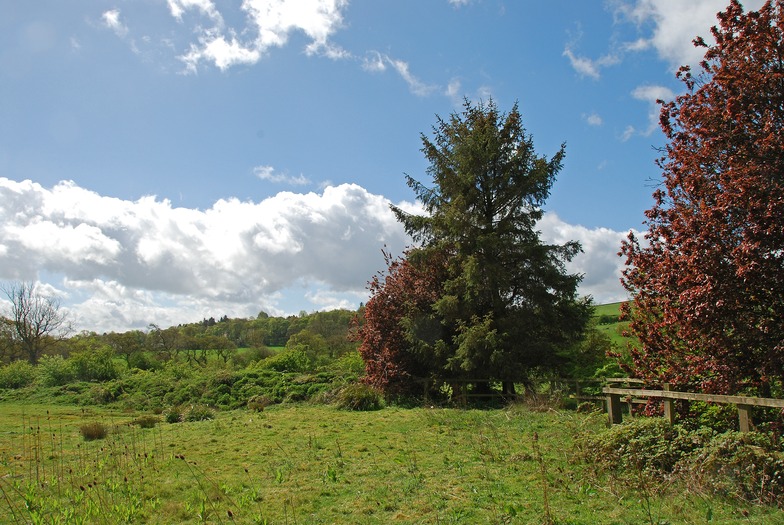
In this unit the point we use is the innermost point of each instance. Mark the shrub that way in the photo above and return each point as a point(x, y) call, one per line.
point(744, 466)
point(146, 421)
point(259, 403)
point(18, 374)
point(287, 361)
point(349, 366)
point(359, 396)
point(93, 431)
point(94, 364)
point(198, 413)
point(173, 415)
point(55, 371)
point(643, 444)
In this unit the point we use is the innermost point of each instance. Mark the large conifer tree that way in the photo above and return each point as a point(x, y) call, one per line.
point(506, 303)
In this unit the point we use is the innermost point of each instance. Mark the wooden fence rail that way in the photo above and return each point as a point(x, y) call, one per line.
point(744, 403)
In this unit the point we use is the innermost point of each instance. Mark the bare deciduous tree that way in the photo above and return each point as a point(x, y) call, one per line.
point(36, 319)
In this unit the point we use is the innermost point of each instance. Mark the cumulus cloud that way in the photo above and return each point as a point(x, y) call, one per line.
point(131, 258)
point(268, 24)
point(599, 263)
point(124, 264)
point(673, 26)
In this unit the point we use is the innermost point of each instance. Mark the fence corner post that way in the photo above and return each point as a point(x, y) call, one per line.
point(669, 405)
point(614, 409)
point(744, 418)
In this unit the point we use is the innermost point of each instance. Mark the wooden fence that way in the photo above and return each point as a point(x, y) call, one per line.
point(616, 396)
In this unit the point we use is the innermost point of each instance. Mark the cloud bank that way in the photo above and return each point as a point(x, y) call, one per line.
point(122, 264)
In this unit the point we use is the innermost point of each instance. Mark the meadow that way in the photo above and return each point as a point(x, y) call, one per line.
point(314, 464)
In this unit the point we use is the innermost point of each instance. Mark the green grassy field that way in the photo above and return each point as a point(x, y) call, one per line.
point(307, 464)
point(614, 330)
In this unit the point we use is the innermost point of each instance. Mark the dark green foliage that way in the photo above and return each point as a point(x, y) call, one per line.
point(504, 305)
point(173, 415)
point(359, 396)
point(93, 431)
point(318, 359)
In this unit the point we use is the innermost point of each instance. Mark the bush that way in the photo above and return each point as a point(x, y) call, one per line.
point(55, 371)
point(359, 396)
point(287, 361)
point(94, 364)
point(93, 431)
point(198, 413)
point(173, 415)
point(744, 466)
point(259, 403)
point(18, 374)
point(643, 444)
point(146, 421)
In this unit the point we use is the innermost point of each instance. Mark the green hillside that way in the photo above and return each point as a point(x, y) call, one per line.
point(606, 317)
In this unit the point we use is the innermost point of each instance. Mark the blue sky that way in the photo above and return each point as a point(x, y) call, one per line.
point(168, 160)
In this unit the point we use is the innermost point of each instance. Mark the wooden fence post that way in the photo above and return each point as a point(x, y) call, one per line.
point(614, 409)
point(744, 418)
point(669, 405)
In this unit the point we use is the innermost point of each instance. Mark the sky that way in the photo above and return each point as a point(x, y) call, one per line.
point(165, 161)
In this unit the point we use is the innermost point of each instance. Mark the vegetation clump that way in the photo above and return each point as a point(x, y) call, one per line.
point(93, 431)
point(146, 421)
point(651, 454)
point(359, 396)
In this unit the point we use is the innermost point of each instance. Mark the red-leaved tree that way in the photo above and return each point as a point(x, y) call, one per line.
point(708, 280)
point(400, 300)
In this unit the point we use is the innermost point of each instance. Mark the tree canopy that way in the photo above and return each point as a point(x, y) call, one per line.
point(480, 296)
point(707, 281)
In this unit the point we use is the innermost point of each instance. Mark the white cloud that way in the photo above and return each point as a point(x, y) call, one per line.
point(111, 19)
point(268, 173)
point(268, 24)
point(593, 119)
point(628, 133)
point(599, 263)
point(587, 67)
point(133, 260)
point(178, 7)
point(376, 62)
point(675, 24)
point(125, 264)
point(652, 94)
point(459, 3)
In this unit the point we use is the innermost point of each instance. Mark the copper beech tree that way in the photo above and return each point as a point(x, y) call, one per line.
point(707, 281)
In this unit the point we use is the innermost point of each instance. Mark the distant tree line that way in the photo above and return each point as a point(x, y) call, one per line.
point(36, 327)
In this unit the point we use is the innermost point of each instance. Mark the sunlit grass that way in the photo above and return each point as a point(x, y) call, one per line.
point(316, 464)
